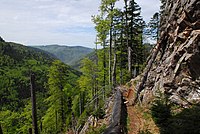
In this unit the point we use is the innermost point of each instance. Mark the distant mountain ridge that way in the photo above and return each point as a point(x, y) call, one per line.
point(67, 54)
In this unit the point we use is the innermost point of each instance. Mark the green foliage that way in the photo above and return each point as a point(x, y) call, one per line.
point(99, 113)
point(59, 100)
point(82, 118)
point(161, 113)
point(170, 122)
point(16, 62)
point(145, 132)
point(98, 130)
point(187, 121)
point(9, 121)
point(152, 29)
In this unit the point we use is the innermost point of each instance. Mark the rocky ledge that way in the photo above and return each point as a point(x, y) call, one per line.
point(176, 67)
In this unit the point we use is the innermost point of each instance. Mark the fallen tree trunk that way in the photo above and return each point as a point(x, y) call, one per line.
point(144, 78)
point(119, 115)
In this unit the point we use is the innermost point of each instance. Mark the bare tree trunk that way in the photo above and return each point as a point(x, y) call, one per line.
point(1, 131)
point(56, 113)
point(62, 114)
point(41, 127)
point(104, 69)
point(33, 99)
point(129, 61)
point(121, 73)
point(114, 71)
point(110, 48)
point(129, 56)
point(114, 63)
point(96, 98)
point(110, 67)
point(130, 44)
point(122, 44)
point(149, 65)
point(96, 78)
point(30, 130)
point(80, 104)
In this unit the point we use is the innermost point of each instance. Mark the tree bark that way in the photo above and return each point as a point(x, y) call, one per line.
point(114, 71)
point(80, 104)
point(34, 109)
point(56, 113)
point(129, 61)
point(110, 47)
point(30, 130)
point(96, 80)
point(129, 56)
point(144, 78)
point(104, 68)
point(1, 131)
point(62, 108)
point(114, 63)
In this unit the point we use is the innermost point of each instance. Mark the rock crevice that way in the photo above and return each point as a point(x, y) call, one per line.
point(176, 68)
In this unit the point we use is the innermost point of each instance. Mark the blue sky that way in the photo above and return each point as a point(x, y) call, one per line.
point(64, 22)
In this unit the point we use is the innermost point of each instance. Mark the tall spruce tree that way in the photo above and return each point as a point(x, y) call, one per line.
point(133, 31)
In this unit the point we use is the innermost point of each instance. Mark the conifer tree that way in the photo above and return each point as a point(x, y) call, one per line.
point(133, 31)
point(153, 27)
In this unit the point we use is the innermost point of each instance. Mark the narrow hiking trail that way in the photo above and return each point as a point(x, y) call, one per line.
point(133, 121)
point(140, 121)
point(138, 118)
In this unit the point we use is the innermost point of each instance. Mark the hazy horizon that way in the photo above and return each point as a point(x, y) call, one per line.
point(62, 22)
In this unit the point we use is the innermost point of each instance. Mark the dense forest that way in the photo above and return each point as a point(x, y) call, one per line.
point(65, 97)
point(70, 55)
point(158, 83)
point(18, 62)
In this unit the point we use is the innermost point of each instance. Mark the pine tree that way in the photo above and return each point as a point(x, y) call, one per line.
point(133, 22)
point(153, 27)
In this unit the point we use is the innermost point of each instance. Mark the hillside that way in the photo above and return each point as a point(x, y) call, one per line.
point(67, 54)
point(17, 62)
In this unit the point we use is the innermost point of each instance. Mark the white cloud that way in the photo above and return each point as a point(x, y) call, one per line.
point(43, 22)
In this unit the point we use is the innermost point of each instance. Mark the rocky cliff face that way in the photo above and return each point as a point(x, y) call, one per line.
point(176, 67)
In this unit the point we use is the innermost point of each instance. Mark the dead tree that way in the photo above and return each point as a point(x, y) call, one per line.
point(149, 65)
point(33, 100)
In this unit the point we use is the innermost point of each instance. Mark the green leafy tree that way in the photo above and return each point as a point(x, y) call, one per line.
point(56, 115)
point(88, 81)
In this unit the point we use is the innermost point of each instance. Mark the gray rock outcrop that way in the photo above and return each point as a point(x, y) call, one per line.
point(176, 67)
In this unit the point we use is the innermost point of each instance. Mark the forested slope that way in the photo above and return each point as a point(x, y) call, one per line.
point(67, 54)
point(17, 62)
